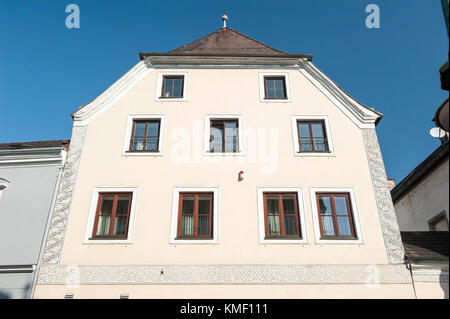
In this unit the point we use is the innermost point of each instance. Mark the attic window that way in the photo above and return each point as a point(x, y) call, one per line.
point(172, 86)
point(275, 87)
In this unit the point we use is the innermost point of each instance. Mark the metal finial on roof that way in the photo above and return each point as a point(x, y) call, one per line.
point(224, 19)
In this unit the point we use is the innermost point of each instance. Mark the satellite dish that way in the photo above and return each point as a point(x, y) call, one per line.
point(437, 132)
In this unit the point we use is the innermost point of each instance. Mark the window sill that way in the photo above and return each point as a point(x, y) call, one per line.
point(339, 240)
point(171, 99)
point(194, 238)
point(142, 153)
point(315, 154)
point(284, 100)
point(223, 154)
point(284, 240)
point(201, 241)
point(106, 240)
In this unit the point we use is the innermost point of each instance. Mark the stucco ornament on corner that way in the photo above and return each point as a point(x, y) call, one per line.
point(388, 219)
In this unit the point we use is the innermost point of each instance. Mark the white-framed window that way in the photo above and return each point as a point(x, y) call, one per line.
point(335, 215)
point(111, 216)
point(172, 86)
point(223, 135)
point(311, 135)
point(144, 135)
point(274, 87)
point(281, 215)
point(195, 215)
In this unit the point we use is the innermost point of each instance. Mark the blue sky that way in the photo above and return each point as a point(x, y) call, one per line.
point(47, 70)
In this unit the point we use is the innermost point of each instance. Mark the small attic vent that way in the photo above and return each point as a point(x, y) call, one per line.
point(69, 295)
point(124, 296)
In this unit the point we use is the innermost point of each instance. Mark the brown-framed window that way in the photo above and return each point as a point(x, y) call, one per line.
point(112, 215)
point(224, 136)
point(312, 136)
point(335, 216)
point(281, 216)
point(172, 86)
point(275, 87)
point(145, 136)
point(195, 214)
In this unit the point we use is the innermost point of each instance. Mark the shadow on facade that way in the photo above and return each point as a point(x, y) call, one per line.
point(443, 281)
point(4, 295)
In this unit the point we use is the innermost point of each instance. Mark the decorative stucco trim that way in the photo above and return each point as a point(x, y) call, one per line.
point(223, 274)
point(59, 217)
point(362, 116)
point(84, 115)
point(430, 271)
point(388, 219)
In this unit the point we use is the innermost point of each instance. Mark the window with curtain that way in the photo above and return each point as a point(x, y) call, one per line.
point(195, 215)
point(335, 216)
point(275, 87)
point(145, 136)
point(112, 215)
point(281, 215)
point(172, 86)
point(312, 136)
point(224, 136)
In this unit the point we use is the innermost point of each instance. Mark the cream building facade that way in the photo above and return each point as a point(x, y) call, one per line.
point(224, 169)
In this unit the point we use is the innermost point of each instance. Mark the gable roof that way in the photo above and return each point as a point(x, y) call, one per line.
point(425, 245)
point(37, 144)
point(228, 48)
point(227, 41)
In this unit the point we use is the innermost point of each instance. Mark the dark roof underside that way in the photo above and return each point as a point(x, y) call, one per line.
point(425, 245)
point(227, 41)
point(420, 172)
point(38, 144)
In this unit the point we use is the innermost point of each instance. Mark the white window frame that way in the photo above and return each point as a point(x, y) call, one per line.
point(159, 84)
point(358, 230)
point(262, 92)
point(93, 208)
point(301, 214)
point(207, 133)
point(128, 133)
point(295, 136)
point(174, 220)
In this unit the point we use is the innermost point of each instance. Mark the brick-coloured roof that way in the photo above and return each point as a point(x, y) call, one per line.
point(37, 144)
point(227, 41)
point(425, 245)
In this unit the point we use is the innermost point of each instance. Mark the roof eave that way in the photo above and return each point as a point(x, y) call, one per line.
point(144, 55)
